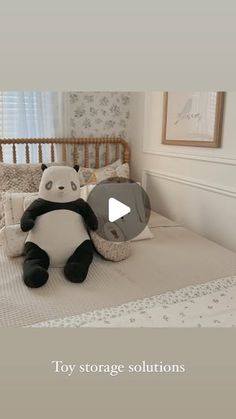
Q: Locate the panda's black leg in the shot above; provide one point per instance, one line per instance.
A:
(77, 266)
(35, 267)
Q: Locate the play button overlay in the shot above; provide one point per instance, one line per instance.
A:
(116, 209)
(122, 208)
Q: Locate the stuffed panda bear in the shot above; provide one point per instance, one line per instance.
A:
(57, 223)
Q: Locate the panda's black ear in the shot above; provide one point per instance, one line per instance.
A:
(76, 167)
(43, 166)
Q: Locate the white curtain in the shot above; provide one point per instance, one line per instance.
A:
(32, 115)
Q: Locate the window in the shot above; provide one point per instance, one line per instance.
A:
(29, 115)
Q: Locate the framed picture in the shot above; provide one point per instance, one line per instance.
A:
(192, 118)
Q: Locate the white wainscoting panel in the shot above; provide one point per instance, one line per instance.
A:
(206, 208)
(220, 159)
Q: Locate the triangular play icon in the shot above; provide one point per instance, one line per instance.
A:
(116, 209)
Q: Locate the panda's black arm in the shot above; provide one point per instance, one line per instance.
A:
(31, 213)
(88, 215)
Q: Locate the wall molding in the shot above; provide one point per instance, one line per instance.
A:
(192, 182)
(221, 159)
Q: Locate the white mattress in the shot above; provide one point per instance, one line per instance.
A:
(173, 259)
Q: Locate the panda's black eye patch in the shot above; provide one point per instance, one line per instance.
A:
(73, 185)
(48, 185)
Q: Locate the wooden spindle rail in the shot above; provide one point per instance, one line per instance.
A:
(105, 142)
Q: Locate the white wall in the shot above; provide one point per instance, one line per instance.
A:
(194, 186)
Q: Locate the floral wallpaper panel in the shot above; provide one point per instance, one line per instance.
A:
(97, 114)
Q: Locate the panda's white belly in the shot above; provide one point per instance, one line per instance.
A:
(59, 233)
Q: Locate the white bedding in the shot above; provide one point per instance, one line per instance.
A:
(175, 258)
(206, 305)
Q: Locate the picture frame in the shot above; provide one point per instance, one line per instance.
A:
(192, 118)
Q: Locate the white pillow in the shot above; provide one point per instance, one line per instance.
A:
(2, 236)
(13, 239)
(13, 208)
(13, 203)
(2, 220)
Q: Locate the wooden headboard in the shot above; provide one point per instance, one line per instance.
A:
(104, 150)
